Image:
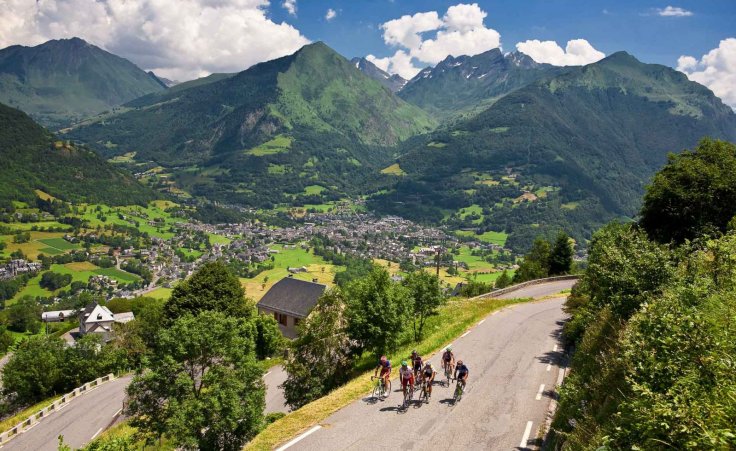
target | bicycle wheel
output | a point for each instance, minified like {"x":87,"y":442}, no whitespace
{"x":387,"y":389}
{"x":377,"y":390}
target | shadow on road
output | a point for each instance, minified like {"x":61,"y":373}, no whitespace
{"x":532,"y":443}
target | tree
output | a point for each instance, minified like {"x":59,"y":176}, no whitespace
{"x":269,"y":339}
{"x":6,"y":340}
{"x":203,"y":387}
{"x":426,"y":298}
{"x":694,"y":193}
{"x":504,"y":280}
{"x":377,"y":309}
{"x":560,"y":257}
{"x":536,"y":262}
{"x":320,"y":357}
{"x":25,"y":316}
{"x":34,"y":372}
{"x":212,"y":288}
{"x":53,"y":281}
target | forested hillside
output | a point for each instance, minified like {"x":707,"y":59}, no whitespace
{"x":654,"y":322}
{"x":32,"y":158}
{"x":66,"y":80}
{"x":572,"y":151}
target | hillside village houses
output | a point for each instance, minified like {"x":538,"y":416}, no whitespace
{"x":17,"y":267}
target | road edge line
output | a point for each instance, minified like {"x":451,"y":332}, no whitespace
{"x":300,"y":438}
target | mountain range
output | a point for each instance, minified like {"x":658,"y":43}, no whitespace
{"x":487,"y":142}
{"x":66,"y":80}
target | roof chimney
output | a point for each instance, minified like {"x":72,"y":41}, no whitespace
{"x":315,"y":280}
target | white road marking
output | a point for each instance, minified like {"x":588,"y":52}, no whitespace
{"x":525,"y":437}
{"x":266,"y":374}
{"x":549,"y":366}
{"x":96,"y":433}
{"x":118,"y":412}
{"x":555,"y":349}
{"x":466,"y":333}
{"x":481,"y":322}
{"x":540,"y":392}
{"x":300,"y":438}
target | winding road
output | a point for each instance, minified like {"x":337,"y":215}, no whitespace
{"x":508,"y":355}
{"x":513,"y":357}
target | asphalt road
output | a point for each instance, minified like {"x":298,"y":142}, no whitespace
{"x":275,"y":401}
{"x":79,"y":421}
{"x":510,"y":354}
{"x":85,"y":417}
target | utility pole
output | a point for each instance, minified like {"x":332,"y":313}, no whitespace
{"x":439,"y":253}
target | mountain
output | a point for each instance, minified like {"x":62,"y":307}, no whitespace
{"x":468,"y":83}
{"x":306,"y":119}
{"x":571,"y":151}
{"x":64,"y":80}
{"x":164,"y":81}
{"x":393,"y":82}
{"x":34,"y":159}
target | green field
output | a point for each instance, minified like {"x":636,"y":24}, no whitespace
{"x":218,"y":239}
{"x":394,"y":169}
{"x":135,"y":216}
{"x":60,"y":244}
{"x":279,"y":144}
{"x":160,"y":293}
{"x":317,"y":268}
{"x":314,"y":189}
{"x":488,"y":237}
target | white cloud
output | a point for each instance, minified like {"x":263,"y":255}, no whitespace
{"x":400,"y":63}
{"x":673,"y":11}
{"x":194,"y":38}
{"x":716,"y":70}
{"x":289,"y":6}
{"x":331,"y":14}
{"x":460,"y":31}
{"x":578,"y":52}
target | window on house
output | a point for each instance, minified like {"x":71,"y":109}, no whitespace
{"x":282,"y":319}
{"x":297,"y":321}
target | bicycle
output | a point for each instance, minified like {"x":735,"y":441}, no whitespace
{"x":381,"y":389}
{"x":408,"y":395}
{"x":424,"y":393}
{"x":459,"y":390}
{"x":448,"y":373}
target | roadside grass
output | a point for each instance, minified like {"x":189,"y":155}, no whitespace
{"x":454,"y":318}
{"x":11,"y":421}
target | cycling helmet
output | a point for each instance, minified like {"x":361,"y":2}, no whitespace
{"x":383,"y":359}
{"x":428,"y":365}
{"x":459,"y":362}
{"x":403,"y":363}
{"x":449,"y":348}
{"x":414,"y":352}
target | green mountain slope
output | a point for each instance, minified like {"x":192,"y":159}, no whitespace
{"x":310,"y":118}
{"x":33,"y":159}
{"x":468,"y":84}
{"x":574,"y":151}
{"x":64,"y":80}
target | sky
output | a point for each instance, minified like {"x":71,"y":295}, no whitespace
{"x":186,"y":39}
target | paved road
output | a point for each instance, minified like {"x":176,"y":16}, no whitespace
{"x":541,"y":290}
{"x":510,"y":355}
{"x":80,"y":421}
{"x":85,"y":417}
{"x":275,"y":401}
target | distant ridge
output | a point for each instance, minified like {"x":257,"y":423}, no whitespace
{"x":65,"y":80}
{"x":393,"y":82}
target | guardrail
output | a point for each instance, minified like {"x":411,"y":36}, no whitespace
{"x":34,"y":418}
{"x":521,"y":285}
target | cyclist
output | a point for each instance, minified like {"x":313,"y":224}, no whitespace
{"x":448,"y":358}
{"x":461,"y":373}
{"x":416,"y":363}
{"x":406,"y":375}
{"x":428,"y":374}
{"x":385,"y":366}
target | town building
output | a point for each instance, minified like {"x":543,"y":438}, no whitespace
{"x":98,"y":319}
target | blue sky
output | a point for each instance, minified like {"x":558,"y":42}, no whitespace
{"x":609,"y":26}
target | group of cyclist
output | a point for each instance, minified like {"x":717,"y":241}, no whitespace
{"x":422,"y":372}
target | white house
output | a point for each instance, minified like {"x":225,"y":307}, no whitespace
{"x":98,"y":319}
